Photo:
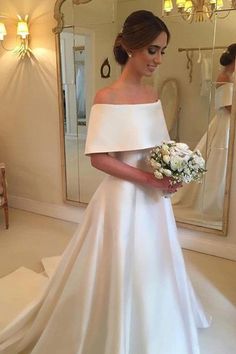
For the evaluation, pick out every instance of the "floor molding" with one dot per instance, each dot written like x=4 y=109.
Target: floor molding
x=217 y=246
x=189 y=239
x=59 y=211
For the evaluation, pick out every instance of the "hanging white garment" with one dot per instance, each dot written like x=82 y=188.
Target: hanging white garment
x=206 y=72
x=208 y=197
x=121 y=286
x=80 y=96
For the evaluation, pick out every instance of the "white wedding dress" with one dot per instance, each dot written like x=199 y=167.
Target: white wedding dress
x=207 y=199
x=121 y=286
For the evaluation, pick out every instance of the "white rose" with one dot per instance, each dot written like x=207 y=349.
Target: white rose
x=187 y=156
x=182 y=146
x=200 y=161
x=176 y=163
x=156 y=165
x=166 y=159
x=167 y=172
x=165 y=149
x=158 y=175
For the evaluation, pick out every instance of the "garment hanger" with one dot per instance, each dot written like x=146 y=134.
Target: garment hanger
x=189 y=55
x=199 y=56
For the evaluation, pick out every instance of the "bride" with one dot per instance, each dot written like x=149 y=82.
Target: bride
x=121 y=286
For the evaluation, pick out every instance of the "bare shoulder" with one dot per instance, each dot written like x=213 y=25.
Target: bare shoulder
x=222 y=79
x=104 y=95
x=151 y=93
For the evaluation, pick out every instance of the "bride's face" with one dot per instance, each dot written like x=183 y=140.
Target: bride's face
x=147 y=59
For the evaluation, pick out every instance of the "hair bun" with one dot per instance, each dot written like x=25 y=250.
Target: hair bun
x=228 y=57
x=119 y=52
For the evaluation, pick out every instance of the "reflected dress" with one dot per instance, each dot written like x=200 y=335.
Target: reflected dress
x=208 y=198
x=121 y=286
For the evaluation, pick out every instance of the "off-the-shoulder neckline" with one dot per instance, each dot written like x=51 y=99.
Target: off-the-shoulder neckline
x=126 y=104
x=224 y=84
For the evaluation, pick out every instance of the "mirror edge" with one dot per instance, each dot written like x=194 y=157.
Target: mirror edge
x=59 y=17
x=229 y=164
x=203 y=228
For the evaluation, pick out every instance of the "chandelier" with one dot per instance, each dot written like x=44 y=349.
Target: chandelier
x=198 y=10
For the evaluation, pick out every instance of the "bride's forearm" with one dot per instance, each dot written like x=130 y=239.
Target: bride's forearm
x=117 y=168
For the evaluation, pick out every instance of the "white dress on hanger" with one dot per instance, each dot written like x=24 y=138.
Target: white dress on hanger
x=208 y=197
x=121 y=286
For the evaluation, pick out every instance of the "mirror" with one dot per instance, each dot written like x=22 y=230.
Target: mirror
x=202 y=125
x=186 y=84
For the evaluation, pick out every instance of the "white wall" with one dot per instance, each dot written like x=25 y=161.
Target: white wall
x=29 y=134
x=29 y=130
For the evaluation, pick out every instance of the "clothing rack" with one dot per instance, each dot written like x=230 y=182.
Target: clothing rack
x=189 y=55
x=200 y=48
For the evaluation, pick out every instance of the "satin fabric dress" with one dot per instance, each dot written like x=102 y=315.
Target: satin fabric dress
x=121 y=286
x=208 y=198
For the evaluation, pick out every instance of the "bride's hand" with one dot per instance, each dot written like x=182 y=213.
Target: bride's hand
x=165 y=184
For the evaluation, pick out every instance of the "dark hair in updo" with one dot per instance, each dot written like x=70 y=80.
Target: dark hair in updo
x=139 y=30
x=228 y=57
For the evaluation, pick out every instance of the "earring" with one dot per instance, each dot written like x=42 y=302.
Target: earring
x=129 y=55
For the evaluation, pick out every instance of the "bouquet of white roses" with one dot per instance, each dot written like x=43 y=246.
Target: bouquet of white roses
x=177 y=161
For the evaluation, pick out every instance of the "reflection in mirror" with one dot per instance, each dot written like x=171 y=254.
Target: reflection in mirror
x=76 y=52
x=84 y=43
x=192 y=65
x=206 y=204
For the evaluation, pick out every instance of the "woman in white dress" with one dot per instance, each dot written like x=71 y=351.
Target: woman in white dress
x=121 y=286
x=208 y=198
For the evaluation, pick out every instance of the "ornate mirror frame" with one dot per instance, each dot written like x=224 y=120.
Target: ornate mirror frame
x=59 y=17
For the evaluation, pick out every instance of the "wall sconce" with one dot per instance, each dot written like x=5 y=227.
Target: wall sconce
x=23 y=33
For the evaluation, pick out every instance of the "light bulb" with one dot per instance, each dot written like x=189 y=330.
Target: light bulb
x=168 y=6
x=219 y=4
x=180 y=4
x=3 y=31
x=22 y=29
x=188 y=6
